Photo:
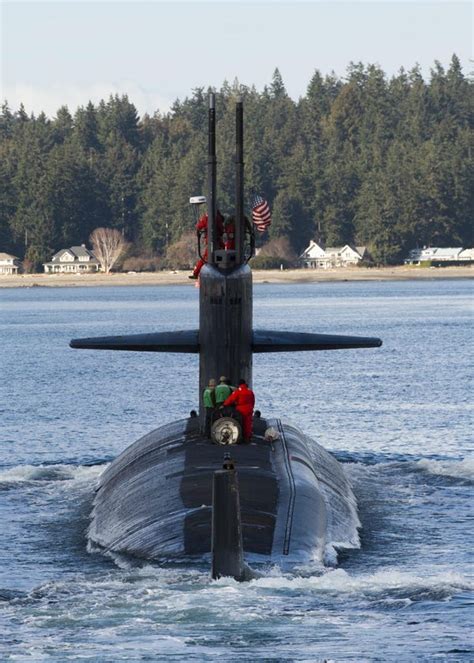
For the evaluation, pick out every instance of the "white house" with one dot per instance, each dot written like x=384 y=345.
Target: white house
x=9 y=264
x=312 y=255
x=448 y=253
x=315 y=256
x=77 y=259
x=433 y=253
x=415 y=256
x=345 y=256
x=467 y=255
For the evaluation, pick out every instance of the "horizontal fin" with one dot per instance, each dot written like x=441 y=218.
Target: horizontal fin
x=286 y=341
x=188 y=341
x=174 y=341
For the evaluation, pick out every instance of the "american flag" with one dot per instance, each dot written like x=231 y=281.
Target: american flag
x=261 y=215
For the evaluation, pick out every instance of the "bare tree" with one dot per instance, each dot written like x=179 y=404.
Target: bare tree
x=107 y=245
x=279 y=247
x=183 y=253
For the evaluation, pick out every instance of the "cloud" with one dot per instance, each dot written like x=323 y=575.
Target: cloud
x=37 y=98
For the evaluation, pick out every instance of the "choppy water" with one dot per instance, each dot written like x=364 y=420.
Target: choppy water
x=400 y=418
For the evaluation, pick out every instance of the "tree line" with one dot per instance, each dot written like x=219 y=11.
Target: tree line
x=364 y=159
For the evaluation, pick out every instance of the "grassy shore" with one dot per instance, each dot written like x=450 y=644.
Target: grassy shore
x=263 y=276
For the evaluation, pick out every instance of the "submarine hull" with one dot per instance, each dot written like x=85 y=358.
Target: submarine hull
x=155 y=500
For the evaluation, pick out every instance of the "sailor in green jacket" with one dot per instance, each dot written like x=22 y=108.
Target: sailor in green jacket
x=223 y=390
x=209 y=402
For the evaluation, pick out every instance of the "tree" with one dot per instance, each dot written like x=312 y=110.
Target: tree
x=120 y=164
x=182 y=253
x=86 y=129
x=62 y=125
x=107 y=244
x=277 y=88
x=279 y=247
x=6 y=121
x=118 y=120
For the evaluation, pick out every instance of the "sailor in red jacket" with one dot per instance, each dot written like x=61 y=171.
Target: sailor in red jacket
x=201 y=229
x=228 y=236
x=244 y=399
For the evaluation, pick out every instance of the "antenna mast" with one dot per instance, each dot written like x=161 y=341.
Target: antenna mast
x=211 y=181
x=239 y=183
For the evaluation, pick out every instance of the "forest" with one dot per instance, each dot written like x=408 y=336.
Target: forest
x=365 y=159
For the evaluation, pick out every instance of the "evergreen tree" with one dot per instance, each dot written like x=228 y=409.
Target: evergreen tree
x=154 y=206
x=277 y=88
x=86 y=129
x=6 y=122
x=62 y=125
x=118 y=121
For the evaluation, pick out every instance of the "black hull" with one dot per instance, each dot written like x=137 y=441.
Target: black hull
x=154 y=501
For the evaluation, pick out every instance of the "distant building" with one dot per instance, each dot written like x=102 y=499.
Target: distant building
x=76 y=260
x=314 y=256
x=435 y=255
x=416 y=256
x=9 y=264
x=345 y=256
x=448 y=254
x=467 y=255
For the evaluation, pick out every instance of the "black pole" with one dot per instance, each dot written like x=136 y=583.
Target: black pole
x=239 y=183
x=227 y=547
x=211 y=181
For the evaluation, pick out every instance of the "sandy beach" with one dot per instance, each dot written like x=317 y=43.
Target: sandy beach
x=262 y=276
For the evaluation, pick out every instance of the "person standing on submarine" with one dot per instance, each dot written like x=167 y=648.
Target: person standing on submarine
x=209 y=402
x=244 y=400
x=223 y=390
x=201 y=229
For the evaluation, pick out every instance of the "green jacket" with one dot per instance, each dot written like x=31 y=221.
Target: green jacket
x=208 y=397
x=223 y=391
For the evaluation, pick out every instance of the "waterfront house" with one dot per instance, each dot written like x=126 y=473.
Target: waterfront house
x=448 y=254
x=76 y=260
x=415 y=256
x=434 y=255
x=314 y=256
x=9 y=264
x=467 y=255
x=345 y=256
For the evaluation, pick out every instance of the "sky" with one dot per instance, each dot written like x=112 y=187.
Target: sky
x=71 y=51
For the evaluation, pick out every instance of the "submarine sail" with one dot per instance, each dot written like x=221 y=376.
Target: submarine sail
x=155 y=500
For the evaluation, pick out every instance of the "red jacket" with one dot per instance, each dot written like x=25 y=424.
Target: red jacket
x=229 y=236
x=201 y=225
x=243 y=398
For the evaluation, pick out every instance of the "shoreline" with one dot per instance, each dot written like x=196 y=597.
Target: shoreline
x=270 y=276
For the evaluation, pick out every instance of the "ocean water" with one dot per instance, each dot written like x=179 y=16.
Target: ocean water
x=399 y=418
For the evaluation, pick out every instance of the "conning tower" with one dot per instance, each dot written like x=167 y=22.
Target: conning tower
x=225 y=339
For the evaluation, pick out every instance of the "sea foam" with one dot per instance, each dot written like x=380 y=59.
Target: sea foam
x=458 y=469
x=47 y=473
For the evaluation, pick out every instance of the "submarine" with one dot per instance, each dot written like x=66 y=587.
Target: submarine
x=177 y=496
